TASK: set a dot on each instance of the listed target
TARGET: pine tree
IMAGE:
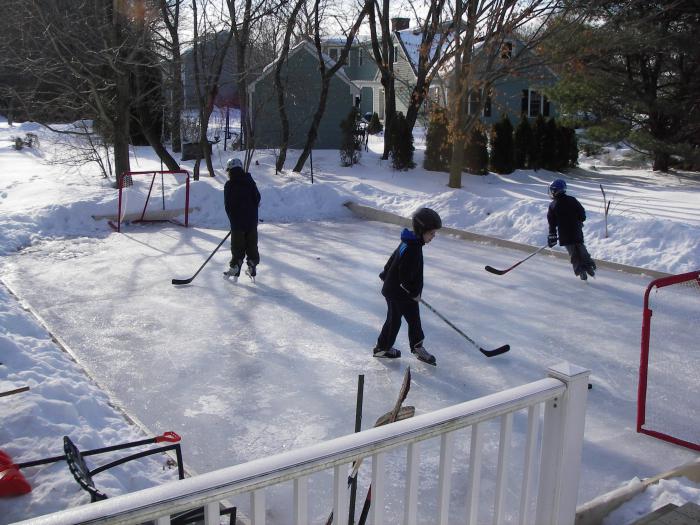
(476, 154)
(523, 144)
(350, 142)
(438, 148)
(549, 145)
(401, 148)
(375, 126)
(537, 145)
(502, 146)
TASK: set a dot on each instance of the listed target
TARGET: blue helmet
(558, 187)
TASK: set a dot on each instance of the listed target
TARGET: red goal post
(669, 368)
(146, 214)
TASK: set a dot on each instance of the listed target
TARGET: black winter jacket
(241, 199)
(403, 272)
(566, 214)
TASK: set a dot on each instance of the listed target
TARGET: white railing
(550, 466)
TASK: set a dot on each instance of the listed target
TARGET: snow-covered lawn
(247, 370)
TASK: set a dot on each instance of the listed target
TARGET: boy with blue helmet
(565, 217)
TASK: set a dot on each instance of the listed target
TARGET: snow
(249, 370)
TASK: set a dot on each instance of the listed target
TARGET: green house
(519, 78)
(302, 89)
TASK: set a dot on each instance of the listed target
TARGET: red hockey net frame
(126, 181)
(692, 279)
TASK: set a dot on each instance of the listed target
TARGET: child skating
(403, 284)
(565, 217)
(241, 199)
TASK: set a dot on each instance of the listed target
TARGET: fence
(548, 497)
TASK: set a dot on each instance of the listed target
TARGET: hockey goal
(149, 196)
(669, 369)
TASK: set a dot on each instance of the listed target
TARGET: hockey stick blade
(491, 269)
(497, 351)
(181, 281)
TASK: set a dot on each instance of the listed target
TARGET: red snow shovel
(13, 483)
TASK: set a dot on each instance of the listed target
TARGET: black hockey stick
(488, 353)
(501, 272)
(188, 281)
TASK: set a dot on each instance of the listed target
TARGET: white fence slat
(503, 467)
(475, 455)
(447, 444)
(340, 495)
(533, 419)
(378, 488)
(412, 469)
(257, 507)
(211, 513)
(301, 500)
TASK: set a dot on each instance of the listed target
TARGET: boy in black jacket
(566, 215)
(241, 199)
(403, 284)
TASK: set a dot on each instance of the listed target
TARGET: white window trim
(529, 103)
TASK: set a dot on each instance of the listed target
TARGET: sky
(245, 370)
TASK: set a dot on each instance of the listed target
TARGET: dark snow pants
(580, 258)
(244, 243)
(396, 309)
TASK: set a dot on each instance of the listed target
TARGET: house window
(535, 104)
(333, 53)
(396, 54)
(473, 103)
(507, 50)
(487, 107)
(475, 100)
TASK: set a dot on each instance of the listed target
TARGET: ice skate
(232, 273)
(391, 353)
(423, 355)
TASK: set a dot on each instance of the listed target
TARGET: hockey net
(148, 196)
(669, 372)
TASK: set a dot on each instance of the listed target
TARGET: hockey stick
(488, 353)
(501, 272)
(398, 413)
(188, 281)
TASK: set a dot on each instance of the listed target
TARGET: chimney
(398, 23)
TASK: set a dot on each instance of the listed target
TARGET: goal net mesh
(670, 407)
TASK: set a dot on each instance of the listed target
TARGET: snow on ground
(250, 370)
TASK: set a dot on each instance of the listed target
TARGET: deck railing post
(562, 441)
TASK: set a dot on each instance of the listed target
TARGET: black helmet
(425, 220)
(558, 187)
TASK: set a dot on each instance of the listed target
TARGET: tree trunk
(313, 130)
(178, 102)
(121, 108)
(662, 161)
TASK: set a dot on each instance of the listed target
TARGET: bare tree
(485, 26)
(383, 50)
(210, 49)
(326, 74)
(170, 13)
(281, 59)
(78, 61)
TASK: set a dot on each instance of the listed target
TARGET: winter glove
(552, 239)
